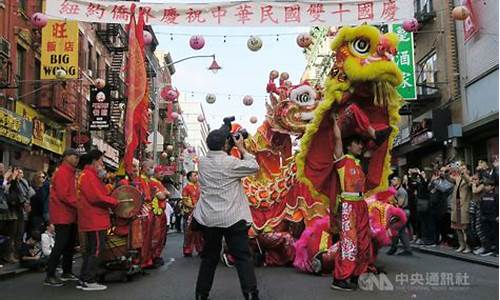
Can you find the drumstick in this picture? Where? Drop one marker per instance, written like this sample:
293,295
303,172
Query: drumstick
127,200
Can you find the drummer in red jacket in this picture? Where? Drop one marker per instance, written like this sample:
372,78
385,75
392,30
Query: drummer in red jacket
93,206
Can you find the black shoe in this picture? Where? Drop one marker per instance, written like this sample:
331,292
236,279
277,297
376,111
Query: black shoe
341,285
251,296
201,297
405,253
53,282
391,251
354,281
382,135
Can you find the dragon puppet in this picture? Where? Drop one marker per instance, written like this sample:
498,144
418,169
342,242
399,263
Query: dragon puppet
360,92
293,192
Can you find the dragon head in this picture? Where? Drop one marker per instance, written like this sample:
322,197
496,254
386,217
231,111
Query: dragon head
291,106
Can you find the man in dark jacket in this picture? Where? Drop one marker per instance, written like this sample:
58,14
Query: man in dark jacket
62,211
93,217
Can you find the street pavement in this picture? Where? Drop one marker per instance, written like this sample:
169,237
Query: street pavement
422,276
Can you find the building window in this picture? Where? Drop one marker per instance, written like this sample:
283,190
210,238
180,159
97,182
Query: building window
97,65
423,6
20,68
427,75
23,5
89,57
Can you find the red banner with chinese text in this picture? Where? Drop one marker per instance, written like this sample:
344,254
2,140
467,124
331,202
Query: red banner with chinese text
248,13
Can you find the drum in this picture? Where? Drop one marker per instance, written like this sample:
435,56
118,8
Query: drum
129,201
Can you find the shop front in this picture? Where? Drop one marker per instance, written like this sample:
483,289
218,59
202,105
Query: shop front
15,137
48,138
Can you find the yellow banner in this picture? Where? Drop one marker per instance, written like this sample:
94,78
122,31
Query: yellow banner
47,134
59,49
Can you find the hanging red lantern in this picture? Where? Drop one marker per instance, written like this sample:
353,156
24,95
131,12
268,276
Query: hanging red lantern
39,20
410,25
174,115
197,42
169,94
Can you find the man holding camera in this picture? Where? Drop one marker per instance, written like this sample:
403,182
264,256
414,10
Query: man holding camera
223,210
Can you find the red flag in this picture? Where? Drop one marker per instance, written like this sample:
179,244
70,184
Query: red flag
136,119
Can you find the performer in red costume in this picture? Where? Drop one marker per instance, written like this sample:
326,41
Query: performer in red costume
190,196
159,228
355,253
141,183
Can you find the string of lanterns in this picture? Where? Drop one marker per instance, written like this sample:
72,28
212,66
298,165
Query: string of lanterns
254,42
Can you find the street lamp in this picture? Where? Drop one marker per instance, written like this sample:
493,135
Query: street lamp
214,67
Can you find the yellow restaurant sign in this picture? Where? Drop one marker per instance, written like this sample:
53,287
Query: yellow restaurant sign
46,133
14,127
59,49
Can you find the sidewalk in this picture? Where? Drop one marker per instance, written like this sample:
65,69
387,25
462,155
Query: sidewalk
10,270
445,251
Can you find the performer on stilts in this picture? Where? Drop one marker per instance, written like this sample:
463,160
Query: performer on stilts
190,196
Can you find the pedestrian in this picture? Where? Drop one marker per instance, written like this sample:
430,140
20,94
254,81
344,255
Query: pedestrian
475,214
489,217
461,197
401,202
63,214
48,240
190,196
440,188
31,256
93,217
8,217
37,203
356,251
18,193
223,211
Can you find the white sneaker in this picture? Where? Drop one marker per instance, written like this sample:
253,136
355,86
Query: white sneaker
478,251
94,286
467,250
460,249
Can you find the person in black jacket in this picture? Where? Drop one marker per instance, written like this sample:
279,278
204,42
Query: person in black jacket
489,217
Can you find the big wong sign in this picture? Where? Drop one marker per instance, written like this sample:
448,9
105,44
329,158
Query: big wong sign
59,49
237,13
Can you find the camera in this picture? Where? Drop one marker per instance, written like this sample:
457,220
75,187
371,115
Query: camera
226,128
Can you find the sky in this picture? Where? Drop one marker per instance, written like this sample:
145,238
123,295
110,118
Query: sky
243,72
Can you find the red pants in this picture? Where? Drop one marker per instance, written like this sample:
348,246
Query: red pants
355,253
147,238
192,239
159,234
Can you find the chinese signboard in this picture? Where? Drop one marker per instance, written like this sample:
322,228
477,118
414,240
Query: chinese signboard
405,59
59,49
471,27
111,155
247,13
100,105
14,127
47,134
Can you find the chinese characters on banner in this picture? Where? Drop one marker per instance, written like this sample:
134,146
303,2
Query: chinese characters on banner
405,59
59,49
471,26
100,105
248,13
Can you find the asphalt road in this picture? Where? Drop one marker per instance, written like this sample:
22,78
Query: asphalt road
422,276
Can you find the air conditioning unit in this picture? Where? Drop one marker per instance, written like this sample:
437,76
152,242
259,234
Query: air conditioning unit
4,48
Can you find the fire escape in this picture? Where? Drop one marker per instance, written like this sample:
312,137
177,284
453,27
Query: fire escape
114,38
